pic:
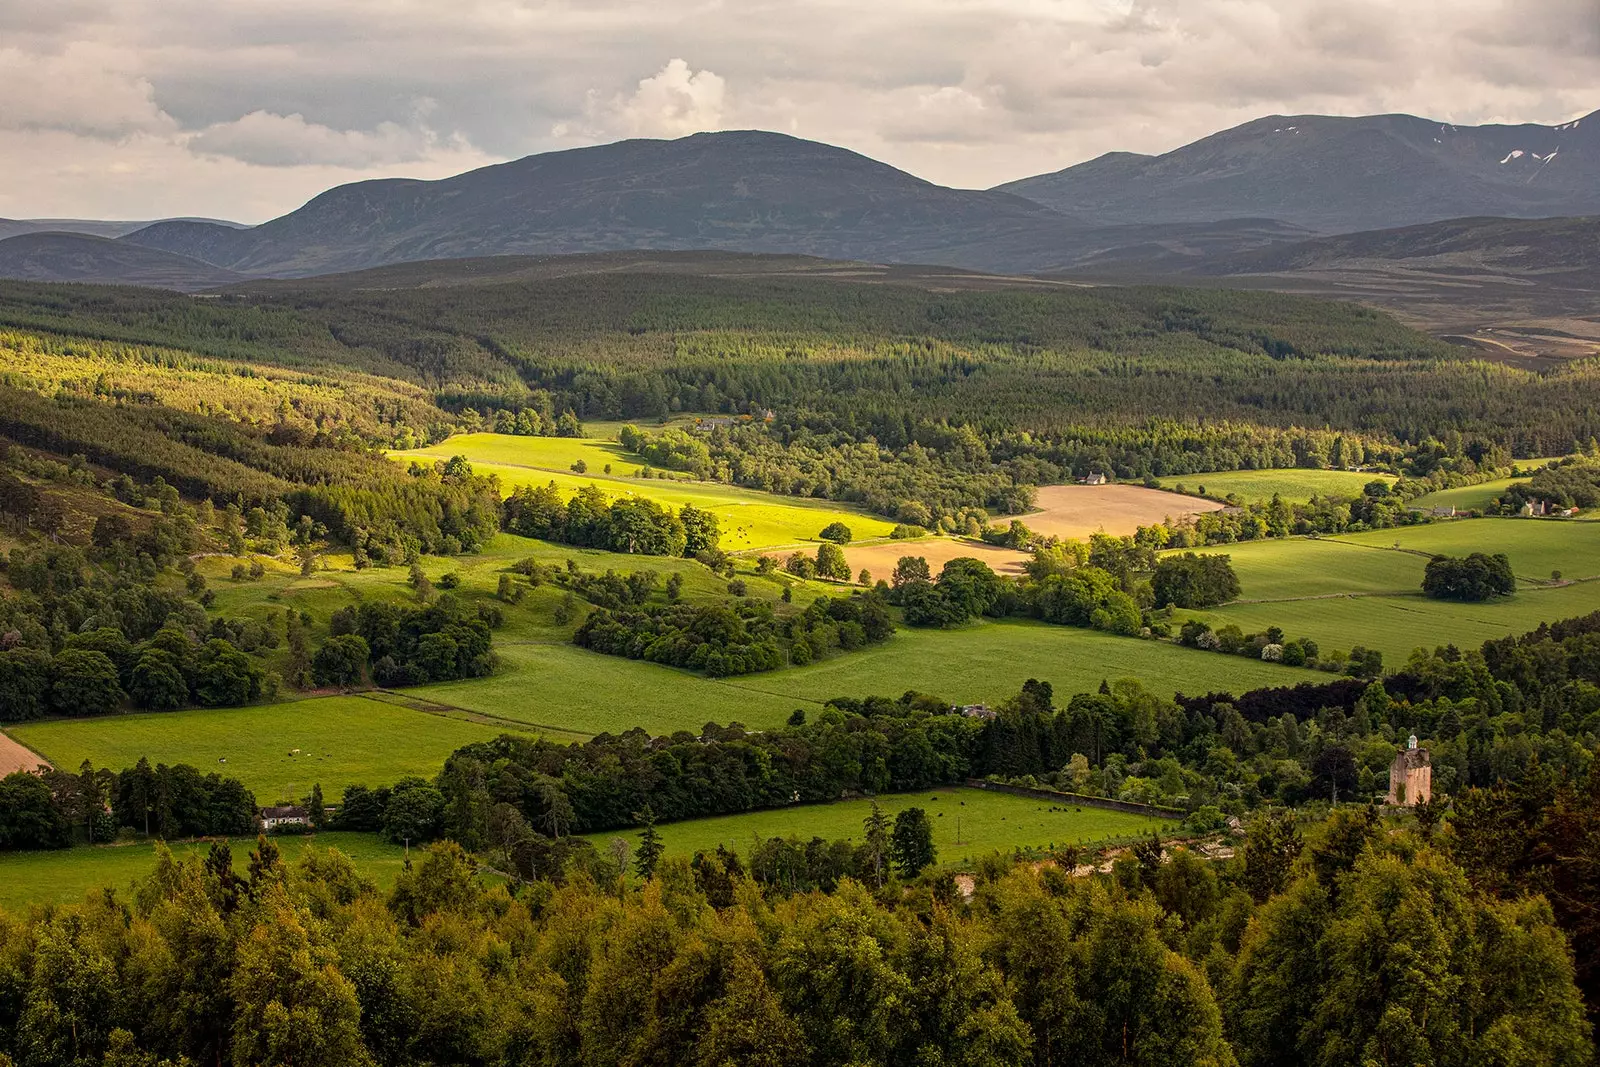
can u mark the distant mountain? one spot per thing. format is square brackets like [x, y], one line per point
[1338, 175]
[742, 191]
[1564, 251]
[80, 257]
[96, 227]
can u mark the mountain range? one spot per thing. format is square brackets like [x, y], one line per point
[1340, 175]
[1239, 201]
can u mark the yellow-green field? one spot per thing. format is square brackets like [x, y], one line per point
[749, 519]
[1295, 485]
[63, 876]
[985, 821]
[1482, 496]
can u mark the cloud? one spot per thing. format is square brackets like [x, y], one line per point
[85, 89]
[270, 140]
[270, 97]
[673, 102]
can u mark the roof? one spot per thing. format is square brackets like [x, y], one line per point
[285, 811]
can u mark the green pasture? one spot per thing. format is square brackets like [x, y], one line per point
[1397, 624]
[1360, 589]
[341, 741]
[64, 876]
[1304, 567]
[985, 662]
[1535, 546]
[559, 687]
[1478, 497]
[1295, 485]
[986, 822]
[749, 519]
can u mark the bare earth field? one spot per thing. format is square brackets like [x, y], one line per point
[15, 756]
[880, 559]
[1077, 511]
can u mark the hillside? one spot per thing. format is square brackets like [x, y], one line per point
[81, 257]
[1561, 249]
[96, 227]
[744, 191]
[1339, 174]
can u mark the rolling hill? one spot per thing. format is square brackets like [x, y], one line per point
[743, 191]
[82, 257]
[1339, 175]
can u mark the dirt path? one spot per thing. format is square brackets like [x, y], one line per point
[15, 756]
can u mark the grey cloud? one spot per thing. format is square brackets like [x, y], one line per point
[968, 92]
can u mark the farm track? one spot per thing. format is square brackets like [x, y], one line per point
[455, 711]
[16, 756]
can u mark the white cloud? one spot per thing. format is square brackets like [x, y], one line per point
[673, 102]
[270, 140]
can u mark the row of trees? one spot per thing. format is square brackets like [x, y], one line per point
[51, 808]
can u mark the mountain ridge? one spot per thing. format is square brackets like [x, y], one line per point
[1340, 174]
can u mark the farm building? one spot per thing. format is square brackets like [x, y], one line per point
[1410, 776]
[1093, 479]
[284, 815]
[973, 711]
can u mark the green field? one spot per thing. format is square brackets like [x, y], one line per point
[341, 741]
[750, 519]
[65, 875]
[562, 687]
[986, 821]
[1395, 625]
[1303, 567]
[1481, 496]
[1535, 546]
[1294, 484]
[1384, 607]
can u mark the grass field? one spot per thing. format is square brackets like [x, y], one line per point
[1280, 569]
[565, 688]
[65, 875]
[750, 519]
[1295, 485]
[1535, 546]
[1481, 496]
[1397, 624]
[1385, 609]
[546, 453]
[987, 822]
[341, 741]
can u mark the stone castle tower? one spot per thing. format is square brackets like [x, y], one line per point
[1410, 776]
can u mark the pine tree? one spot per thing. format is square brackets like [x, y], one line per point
[648, 852]
[878, 844]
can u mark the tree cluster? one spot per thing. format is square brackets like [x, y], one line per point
[1474, 577]
[592, 520]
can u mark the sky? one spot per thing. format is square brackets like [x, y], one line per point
[244, 109]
